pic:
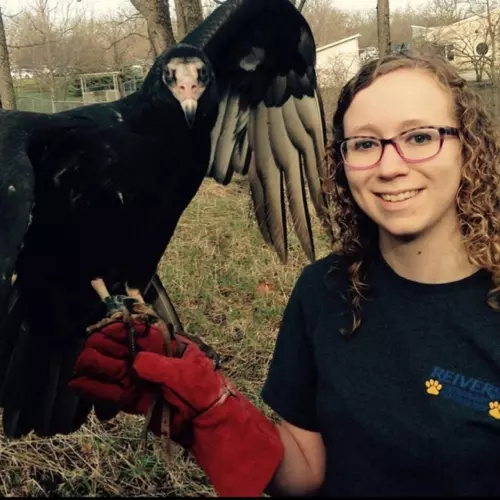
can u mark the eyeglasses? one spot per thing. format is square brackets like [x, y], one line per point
[414, 146]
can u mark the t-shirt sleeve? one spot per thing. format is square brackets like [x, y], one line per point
[290, 388]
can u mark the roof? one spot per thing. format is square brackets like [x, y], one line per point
[338, 42]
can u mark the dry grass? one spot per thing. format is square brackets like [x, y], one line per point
[229, 287]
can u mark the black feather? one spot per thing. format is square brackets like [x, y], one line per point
[97, 192]
[263, 52]
[110, 183]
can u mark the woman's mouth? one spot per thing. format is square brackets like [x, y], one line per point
[404, 195]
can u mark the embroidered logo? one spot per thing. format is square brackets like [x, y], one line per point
[464, 390]
[495, 409]
[433, 387]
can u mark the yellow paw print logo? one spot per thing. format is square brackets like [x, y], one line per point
[433, 387]
[495, 409]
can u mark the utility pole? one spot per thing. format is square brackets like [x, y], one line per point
[384, 27]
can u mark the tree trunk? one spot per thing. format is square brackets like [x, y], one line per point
[181, 20]
[157, 15]
[300, 5]
[189, 15]
[7, 95]
[384, 28]
[493, 65]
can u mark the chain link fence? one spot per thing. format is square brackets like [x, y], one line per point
[45, 105]
[41, 105]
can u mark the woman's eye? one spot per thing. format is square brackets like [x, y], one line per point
[360, 145]
[419, 138]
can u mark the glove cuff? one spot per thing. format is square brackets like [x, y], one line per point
[238, 448]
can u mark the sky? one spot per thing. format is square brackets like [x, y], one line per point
[102, 6]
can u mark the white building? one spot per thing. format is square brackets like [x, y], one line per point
[338, 61]
[468, 43]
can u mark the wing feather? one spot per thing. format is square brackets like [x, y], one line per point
[270, 123]
[259, 203]
[289, 161]
[299, 115]
[240, 158]
[227, 139]
[217, 170]
[17, 186]
[271, 178]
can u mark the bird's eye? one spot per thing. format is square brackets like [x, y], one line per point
[168, 76]
[203, 74]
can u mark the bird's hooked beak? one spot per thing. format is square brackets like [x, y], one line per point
[189, 107]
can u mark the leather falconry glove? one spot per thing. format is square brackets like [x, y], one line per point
[233, 442]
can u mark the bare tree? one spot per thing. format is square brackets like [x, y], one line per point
[299, 4]
[384, 27]
[41, 34]
[331, 79]
[7, 95]
[487, 11]
[471, 45]
[444, 12]
[123, 38]
[157, 16]
[322, 15]
[189, 14]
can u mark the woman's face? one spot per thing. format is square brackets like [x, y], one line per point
[404, 199]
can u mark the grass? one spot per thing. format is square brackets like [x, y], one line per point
[230, 288]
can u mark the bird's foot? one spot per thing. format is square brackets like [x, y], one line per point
[129, 308]
[119, 308]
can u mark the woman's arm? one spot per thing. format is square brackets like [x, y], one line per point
[302, 469]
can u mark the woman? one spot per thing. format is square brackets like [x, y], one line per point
[386, 371]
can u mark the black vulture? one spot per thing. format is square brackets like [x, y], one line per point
[96, 192]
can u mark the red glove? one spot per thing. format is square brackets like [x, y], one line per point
[102, 371]
[233, 442]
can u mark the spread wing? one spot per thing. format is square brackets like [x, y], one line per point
[270, 124]
[16, 196]
[17, 181]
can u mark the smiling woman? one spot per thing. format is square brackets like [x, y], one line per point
[412, 385]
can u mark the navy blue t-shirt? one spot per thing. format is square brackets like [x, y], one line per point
[410, 403]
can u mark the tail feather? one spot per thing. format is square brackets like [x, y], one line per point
[68, 412]
[35, 369]
[157, 296]
[35, 395]
[36, 379]
[12, 395]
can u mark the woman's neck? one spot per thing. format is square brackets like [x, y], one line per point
[431, 258]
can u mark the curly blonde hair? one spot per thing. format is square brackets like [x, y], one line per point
[478, 196]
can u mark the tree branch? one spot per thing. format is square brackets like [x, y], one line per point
[134, 17]
[301, 5]
[28, 46]
[125, 37]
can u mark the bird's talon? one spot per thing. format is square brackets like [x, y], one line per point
[119, 304]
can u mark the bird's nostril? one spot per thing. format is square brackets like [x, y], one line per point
[192, 86]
